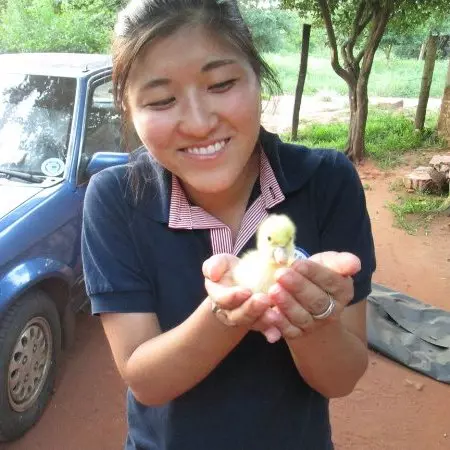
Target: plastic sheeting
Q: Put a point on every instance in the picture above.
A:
(410, 332)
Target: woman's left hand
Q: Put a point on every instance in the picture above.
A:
(306, 290)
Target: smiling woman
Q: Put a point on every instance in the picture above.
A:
(209, 364)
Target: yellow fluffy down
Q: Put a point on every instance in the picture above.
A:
(256, 269)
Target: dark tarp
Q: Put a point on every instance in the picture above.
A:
(410, 332)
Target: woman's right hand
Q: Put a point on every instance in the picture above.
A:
(237, 305)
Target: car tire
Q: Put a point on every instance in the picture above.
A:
(30, 340)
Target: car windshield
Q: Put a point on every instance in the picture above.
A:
(35, 120)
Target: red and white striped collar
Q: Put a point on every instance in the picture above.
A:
(184, 216)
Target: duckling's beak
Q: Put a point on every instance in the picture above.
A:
(280, 255)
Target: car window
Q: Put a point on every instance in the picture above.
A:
(103, 125)
(35, 119)
(102, 130)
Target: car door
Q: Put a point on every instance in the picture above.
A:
(102, 132)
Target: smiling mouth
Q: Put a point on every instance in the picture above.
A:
(207, 150)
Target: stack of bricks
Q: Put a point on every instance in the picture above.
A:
(433, 178)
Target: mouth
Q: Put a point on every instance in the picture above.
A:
(207, 151)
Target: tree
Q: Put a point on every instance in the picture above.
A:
(444, 128)
(272, 29)
(46, 25)
(444, 115)
(355, 29)
(301, 78)
(437, 23)
(427, 78)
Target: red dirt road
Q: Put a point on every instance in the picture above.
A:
(385, 412)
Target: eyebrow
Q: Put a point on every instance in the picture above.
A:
(157, 82)
(217, 63)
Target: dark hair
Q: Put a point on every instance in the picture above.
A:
(143, 21)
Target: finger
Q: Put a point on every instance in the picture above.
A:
(344, 263)
(272, 335)
(215, 267)
(326, 279)
(307, 294)
(250, 310)
(265, 325)
(290, 308)
(226, 297)
(285, 327)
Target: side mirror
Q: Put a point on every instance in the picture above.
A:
(102, 160)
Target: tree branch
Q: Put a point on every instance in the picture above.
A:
(380, 20)
(350, 43)
(323, 4)
(360, 56)
(358, 29)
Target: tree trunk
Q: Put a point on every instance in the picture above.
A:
(387, 52)
(427, 78)
(422, 51)
(359, 106)
(445, 207)
(357, 67)
(301, 79)
(444, 115)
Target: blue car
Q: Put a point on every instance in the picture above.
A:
(58, 126)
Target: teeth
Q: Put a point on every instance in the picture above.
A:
(210, 150)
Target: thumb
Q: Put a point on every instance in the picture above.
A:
(215, 267)
(345, 264)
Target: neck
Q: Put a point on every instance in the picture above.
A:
(229, 206)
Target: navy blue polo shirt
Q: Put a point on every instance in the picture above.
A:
(255, 399)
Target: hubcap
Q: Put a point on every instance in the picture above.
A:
(29, 364)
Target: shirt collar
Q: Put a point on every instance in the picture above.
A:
(182, 215)
(291, 165)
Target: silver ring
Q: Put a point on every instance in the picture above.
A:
(327, 313)
(215, 308)
(220, 314)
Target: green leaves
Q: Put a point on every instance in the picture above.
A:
(272, 29)
(43, 25)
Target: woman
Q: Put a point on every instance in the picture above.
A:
(208, 365)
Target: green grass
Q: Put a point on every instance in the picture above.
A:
(388, 136)
(398, 78)
(415, 211)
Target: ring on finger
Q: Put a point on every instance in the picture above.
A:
(328, 311)
(221, 315)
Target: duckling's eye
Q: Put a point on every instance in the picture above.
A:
(269, 238)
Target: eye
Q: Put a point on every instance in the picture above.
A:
(161, 104)
(224, 86)
(269, 238)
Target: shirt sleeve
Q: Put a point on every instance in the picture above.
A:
(113, 272)
(344, 220)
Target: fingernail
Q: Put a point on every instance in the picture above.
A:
(273, 335)
(206, 269)
(244, 295)
(302, 268)
(284, 274)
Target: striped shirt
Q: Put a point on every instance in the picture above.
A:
(185, 216)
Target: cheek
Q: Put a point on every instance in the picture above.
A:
(245, 108)
(154, 130)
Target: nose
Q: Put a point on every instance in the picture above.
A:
(198, 116)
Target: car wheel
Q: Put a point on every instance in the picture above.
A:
(30, 340)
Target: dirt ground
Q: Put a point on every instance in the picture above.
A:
(392, 408)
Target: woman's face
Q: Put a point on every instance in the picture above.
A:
(195, 104)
